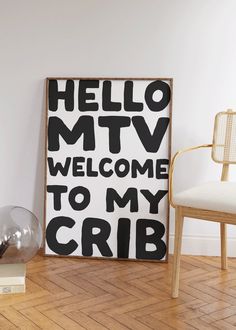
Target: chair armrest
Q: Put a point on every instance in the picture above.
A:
(172, 165)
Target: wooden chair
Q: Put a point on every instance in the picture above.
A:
(212, 201)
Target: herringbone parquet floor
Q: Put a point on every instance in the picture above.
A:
(65, 293)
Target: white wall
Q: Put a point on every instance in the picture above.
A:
(192, 41)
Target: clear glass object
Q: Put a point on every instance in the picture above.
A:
(20, 235)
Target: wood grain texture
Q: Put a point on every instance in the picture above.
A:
(101, 294)
(179, 219)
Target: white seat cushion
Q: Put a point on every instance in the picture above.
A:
(214, 196)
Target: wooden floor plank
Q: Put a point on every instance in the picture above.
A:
(17, 318)
(62, 320)
(110, 322)
(223, 325)
(6, 324)
(153, 323)
(39, 319)
(85, 321)
(200, 324)
(130, 322)
(69, 293)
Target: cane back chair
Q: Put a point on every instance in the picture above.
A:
(212, 201)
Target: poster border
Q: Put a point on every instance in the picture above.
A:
(165, 260)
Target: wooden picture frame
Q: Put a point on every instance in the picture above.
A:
(107, 148)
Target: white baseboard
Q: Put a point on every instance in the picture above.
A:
(203, 245)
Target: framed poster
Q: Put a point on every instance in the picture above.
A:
(107, 156)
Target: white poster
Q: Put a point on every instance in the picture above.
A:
(108, 147)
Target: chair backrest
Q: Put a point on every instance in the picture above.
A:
(224, 138)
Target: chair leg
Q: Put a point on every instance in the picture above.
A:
(179, 219)
(223, 239)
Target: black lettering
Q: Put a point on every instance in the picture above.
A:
(55, 95)
(129, 104)
(84, 96)
(51, 236)
(154, 86)
(130, 195)
(102, 164)
(107, 104)
(154, 200)
(122, 162)
(161, 171)
(142, 239)
(57, 128)
(77, 168)
(58, 167)
(123, 238)
(90, 171)
(57, 191)
(146, 167)
(151, 142)
(78, 206)
(100, 239)
(114, 124)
